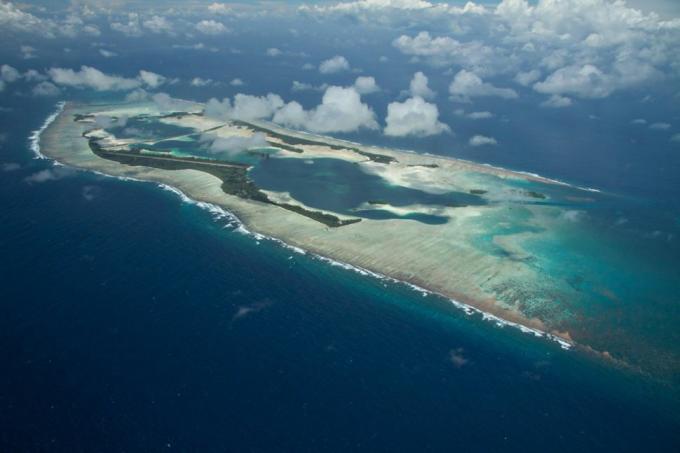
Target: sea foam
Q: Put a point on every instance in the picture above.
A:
(34, 138)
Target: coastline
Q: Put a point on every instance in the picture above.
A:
(246, 222)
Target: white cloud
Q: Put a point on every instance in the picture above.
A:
(50, 174)
(27, 52)
(556, 101)
(366, 85)
(244, 107)
(273, 52)
(585, 81)
(137, 95)
(236, 83)
(91, 30)
(341, 110)
(527, 78)
(46, 89)
(675, 138)
(199, 82)
(414, 116)
(211, 27)
(480, 115)
(639, 121)
(442, 51)
(9, 74)
(301, 86)
(367, 5)
(219, 8)
(165, 102)
(151, 79)
(158, 24)
(467, 84)
(482, 140)
(10, 166)
(419, 86)
(660, 126)
(107, 53)
(131, 28)
(332, 65)
(89, 77)
(15, 20)
(233, 145)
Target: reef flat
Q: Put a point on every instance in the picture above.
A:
(473, 233)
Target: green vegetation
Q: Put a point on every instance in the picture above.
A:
(533, 194)
(425, 165)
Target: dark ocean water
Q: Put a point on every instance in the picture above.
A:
(131, 321)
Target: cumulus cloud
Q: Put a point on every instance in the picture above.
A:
(131, 28)
(368, 5)
(89, 77)
(660, 126)
(273, 52)
(46, 89)
(200, 82)
(341, 110)
(467, 84)
(302, 86)
(211, 27)
(234, 145)
(366, 85)
(482, 140)
(151, 79)
(245, 107)
(414, 116)
(158, 24)
(474, 115)
(9, 74)
(107, 53)
(10, 166)
(12, 18)
(27, 52)
(164, 102)
(444, 50)
(236, 83)
(336, 64)
(50, 174)
(219, 8)
(585, 81)
(528, 77)
(556, 101)
(419, 86)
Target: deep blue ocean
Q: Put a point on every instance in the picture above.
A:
(132, 321)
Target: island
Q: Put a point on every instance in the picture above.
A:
(469, 232)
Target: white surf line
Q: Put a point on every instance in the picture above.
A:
(34, 138)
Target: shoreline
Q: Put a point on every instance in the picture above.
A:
(501, 316)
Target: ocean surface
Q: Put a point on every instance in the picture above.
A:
(131, 320)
